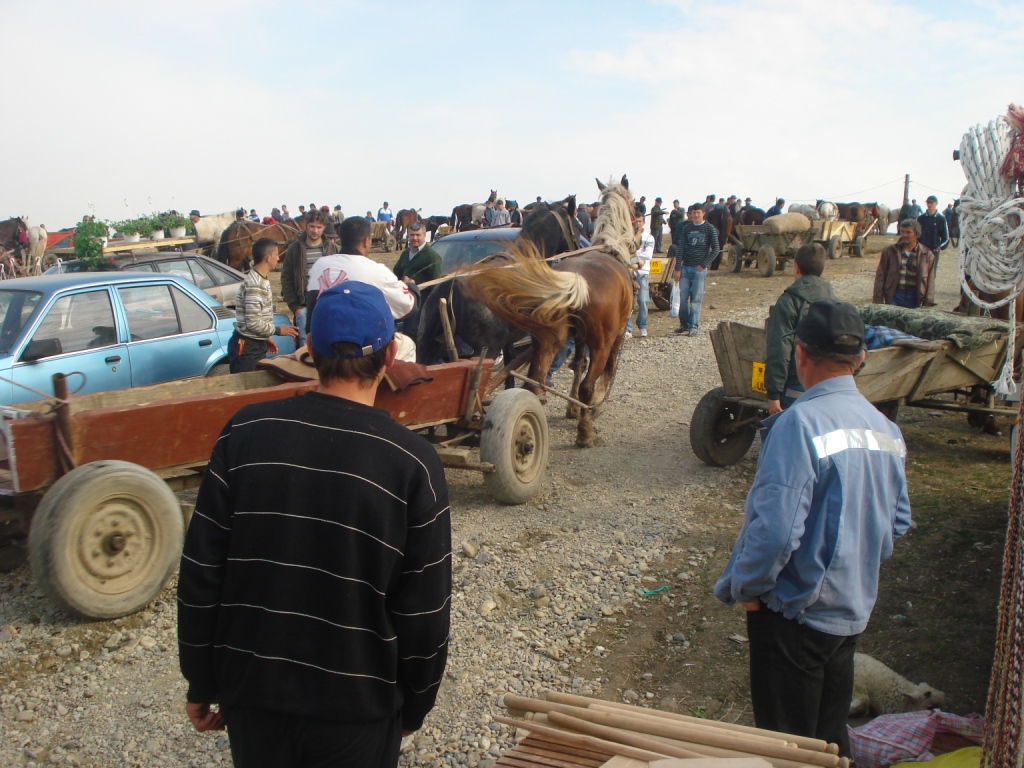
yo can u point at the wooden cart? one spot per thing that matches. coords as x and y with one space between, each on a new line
754 244
726 419
90 479
837 236
381 237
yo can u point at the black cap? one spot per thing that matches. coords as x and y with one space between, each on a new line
932 199
827 320
194 212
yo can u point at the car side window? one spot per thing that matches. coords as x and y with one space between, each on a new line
139 268
192 316
74 323
220 276
150 311
178 268
199 276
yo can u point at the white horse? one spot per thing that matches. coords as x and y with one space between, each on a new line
210 228
829 211
36 249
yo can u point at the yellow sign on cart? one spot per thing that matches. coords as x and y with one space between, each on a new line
655 267
757 378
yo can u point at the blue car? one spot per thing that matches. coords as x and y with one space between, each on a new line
115 329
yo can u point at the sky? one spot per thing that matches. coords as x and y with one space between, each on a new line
124 108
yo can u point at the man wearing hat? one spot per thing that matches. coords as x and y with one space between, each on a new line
934 228
828 500
315 580
194 217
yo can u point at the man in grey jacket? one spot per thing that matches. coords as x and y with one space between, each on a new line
780 379
297 261
828 500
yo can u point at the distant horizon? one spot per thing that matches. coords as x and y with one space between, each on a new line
128 108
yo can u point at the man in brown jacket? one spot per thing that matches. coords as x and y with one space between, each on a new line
295 265
906 271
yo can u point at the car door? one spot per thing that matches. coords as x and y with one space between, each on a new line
171 335
77 334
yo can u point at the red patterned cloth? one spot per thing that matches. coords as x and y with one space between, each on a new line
912 736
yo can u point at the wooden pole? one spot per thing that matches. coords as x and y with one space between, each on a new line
622 737
449 337
906 189
583 740
803 742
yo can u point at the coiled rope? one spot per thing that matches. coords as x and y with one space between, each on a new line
992 230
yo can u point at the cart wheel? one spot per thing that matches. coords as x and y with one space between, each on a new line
661 295
766 261
515 440
889 408
711 435
105 539
858 246
835 247
48 260
735 258
391 243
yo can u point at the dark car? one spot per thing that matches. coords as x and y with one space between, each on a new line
218 280
463 249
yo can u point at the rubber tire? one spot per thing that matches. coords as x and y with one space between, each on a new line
858 247
835 247
515 416
766 260
390 242
220 369
711 412
661 295
48 260
94 496
735 258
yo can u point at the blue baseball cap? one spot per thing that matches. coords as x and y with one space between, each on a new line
351 312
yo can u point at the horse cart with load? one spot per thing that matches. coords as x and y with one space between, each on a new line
91 479
381 237
950 368
758 244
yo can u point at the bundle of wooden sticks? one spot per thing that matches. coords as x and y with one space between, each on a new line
650 734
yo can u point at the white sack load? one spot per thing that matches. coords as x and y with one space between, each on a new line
788 222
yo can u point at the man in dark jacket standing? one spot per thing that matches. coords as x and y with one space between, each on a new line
780 377
315 584
295 265
934 228
696 244
906 271
657 224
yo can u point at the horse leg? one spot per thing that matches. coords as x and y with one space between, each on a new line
585 425
579 362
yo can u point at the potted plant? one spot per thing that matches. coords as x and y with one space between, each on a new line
129 230
176 224
90 237
156 227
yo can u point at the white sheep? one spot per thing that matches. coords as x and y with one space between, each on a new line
877 690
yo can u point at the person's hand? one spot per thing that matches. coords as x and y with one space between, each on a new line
774 406
271 346
407 733
203 718
700 268
751 606
676 275
287 330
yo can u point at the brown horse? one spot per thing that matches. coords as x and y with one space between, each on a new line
403 219
720 218
470 213
237 240
10 233
589 296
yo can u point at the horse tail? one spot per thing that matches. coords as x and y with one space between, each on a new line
528 293
222 246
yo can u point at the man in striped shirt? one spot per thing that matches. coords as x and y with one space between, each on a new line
315 581
254 312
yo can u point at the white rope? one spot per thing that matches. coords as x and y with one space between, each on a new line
991 230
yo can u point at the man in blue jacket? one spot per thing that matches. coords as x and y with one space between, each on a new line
828 500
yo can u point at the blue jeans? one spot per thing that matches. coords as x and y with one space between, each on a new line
691 292
904 298
643 298
300 322
562 355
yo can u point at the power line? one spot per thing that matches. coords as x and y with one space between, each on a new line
852 194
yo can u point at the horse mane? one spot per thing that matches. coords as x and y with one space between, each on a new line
613 230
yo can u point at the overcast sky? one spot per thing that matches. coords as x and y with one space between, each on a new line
213 104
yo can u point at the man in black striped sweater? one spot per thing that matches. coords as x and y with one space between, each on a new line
315 582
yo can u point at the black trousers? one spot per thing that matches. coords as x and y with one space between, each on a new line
263 739
244 353
801 680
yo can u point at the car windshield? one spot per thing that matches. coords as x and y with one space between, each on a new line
16 308
456 254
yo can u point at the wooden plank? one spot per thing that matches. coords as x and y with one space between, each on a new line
32 453
553 760
626 762
119 246
973 364
557 744
560 752
892 373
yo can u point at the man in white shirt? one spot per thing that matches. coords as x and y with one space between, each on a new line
352 264
642 275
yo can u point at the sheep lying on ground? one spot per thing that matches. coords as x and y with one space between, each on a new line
877 690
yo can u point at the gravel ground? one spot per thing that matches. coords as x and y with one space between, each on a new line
532 583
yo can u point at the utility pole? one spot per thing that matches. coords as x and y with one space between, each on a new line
906 189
